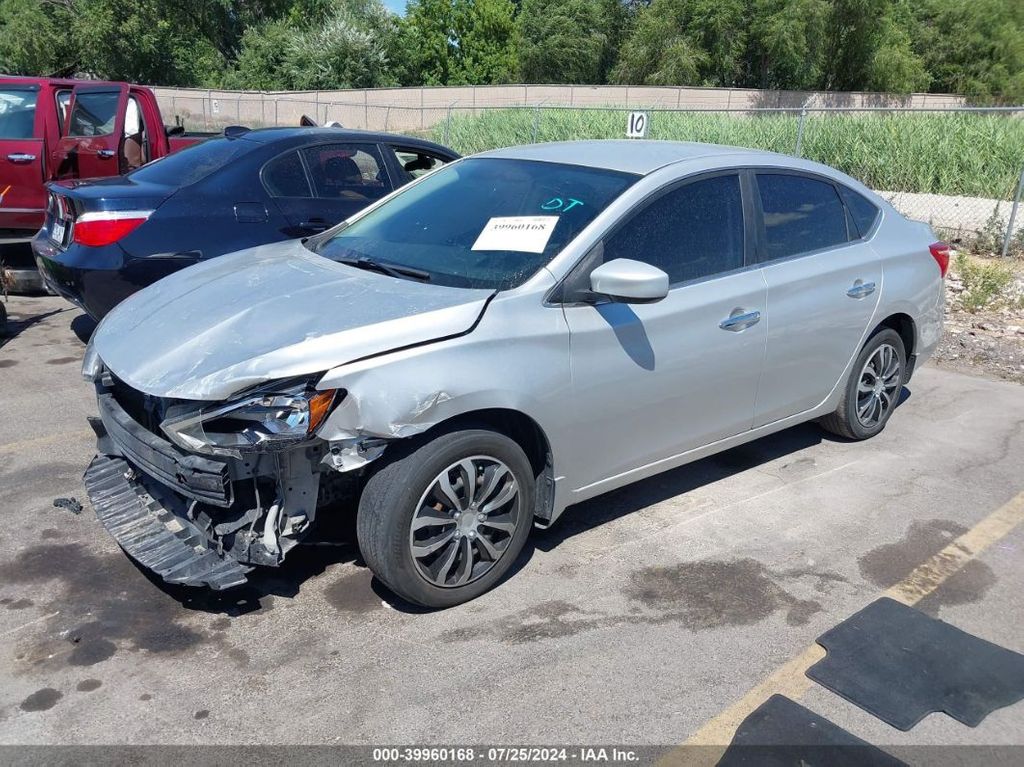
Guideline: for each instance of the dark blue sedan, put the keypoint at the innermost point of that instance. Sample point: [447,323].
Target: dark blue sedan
[104,239]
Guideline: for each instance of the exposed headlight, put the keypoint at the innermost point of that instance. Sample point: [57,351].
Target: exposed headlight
[92,365]
[271,418]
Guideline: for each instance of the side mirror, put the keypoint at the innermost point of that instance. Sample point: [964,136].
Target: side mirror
[629,282]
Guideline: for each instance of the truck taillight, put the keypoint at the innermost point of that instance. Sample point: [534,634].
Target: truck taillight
[940,252]
[96,229]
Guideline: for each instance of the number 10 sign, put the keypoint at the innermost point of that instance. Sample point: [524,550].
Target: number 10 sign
[636,125]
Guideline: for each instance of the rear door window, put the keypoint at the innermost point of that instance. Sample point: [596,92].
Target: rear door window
[861,209]
[285,176]
[94,113]
[801,215]
[691,232]
[17,112]
[352,172]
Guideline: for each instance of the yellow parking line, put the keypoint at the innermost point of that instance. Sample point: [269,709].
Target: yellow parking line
[790,679]
[14,447]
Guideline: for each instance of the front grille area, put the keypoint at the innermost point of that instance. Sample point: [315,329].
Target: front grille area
[201,478]
[145,409]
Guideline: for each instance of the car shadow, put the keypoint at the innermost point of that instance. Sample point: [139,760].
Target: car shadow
[19,323]
[83,326]
[335,540]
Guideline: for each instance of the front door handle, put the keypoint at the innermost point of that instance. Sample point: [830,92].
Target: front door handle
[861,289]
[315,225]
[21,158]
[740,320]
[106,154]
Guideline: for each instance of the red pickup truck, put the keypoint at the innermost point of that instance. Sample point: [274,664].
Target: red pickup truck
[54,129]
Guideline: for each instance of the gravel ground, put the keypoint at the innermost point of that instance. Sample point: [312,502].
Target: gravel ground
[989,342]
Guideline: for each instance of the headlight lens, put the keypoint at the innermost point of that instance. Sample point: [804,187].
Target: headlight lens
[272,418]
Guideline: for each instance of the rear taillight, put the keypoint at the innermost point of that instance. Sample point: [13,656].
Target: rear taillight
[940,252]
[99,228]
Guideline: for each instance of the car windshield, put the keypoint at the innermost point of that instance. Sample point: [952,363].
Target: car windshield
[481,223]
[193,163]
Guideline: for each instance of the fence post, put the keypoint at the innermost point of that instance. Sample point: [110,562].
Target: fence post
[1013,214]
[800,130]
[536,119]
[447,120]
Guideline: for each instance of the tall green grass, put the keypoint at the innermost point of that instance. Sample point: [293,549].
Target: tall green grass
[964,154]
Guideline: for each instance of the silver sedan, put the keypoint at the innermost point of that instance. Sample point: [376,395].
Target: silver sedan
[505,337]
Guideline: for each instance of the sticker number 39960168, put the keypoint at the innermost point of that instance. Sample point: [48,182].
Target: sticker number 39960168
[526,234]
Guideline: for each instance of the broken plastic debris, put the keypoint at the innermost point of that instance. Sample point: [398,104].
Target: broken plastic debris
[71,504]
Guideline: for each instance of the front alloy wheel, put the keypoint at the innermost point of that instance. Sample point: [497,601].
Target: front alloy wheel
[442,520]
[465,521]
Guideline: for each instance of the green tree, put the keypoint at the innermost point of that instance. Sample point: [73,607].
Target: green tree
[786,43]
[561,41]
[33,37]
[340,44]
[974,48]
[686,42]
[457,42]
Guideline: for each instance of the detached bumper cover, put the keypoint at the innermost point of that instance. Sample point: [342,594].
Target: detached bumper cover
[155,537]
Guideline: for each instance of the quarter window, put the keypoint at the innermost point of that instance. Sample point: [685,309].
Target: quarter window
[416,162]
[801,214]
[347,172]
[861,209]
[691,232]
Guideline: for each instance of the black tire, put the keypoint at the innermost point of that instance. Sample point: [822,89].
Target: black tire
[392,494]
[845,421]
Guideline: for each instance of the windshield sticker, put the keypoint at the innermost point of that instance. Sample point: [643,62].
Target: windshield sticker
[525,234]
[557,203]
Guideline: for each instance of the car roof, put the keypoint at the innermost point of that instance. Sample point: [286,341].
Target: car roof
[626,155]
[271,135]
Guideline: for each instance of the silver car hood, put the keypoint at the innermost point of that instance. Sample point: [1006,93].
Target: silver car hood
[268,313]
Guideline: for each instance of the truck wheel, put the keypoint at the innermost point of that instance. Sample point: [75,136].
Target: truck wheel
[441,522]
[873,388]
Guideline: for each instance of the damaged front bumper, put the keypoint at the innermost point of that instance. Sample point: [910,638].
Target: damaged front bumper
[195,519]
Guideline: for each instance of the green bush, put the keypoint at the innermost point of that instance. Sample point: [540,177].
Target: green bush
[986,283]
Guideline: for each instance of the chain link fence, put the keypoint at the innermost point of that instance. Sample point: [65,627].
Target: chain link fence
[961,169]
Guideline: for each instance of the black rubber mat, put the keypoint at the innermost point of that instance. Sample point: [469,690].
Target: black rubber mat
[899,664]
[782,733]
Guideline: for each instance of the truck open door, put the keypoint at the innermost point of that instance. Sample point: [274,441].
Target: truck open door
[22,196]
[90,143]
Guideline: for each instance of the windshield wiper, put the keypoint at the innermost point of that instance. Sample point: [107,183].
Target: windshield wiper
[385,267]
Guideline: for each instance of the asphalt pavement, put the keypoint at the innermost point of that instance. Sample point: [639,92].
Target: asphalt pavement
[644,616]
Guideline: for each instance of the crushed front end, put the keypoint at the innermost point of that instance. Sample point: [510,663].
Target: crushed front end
[202,492]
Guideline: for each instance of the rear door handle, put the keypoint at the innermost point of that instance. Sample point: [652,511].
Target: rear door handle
[740,320]
[861,289]
[106,154]
[20,157]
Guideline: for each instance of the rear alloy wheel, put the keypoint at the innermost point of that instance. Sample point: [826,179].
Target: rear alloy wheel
[873,389]
[440,522]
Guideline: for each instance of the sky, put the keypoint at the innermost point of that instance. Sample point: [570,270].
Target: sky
[398,6]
